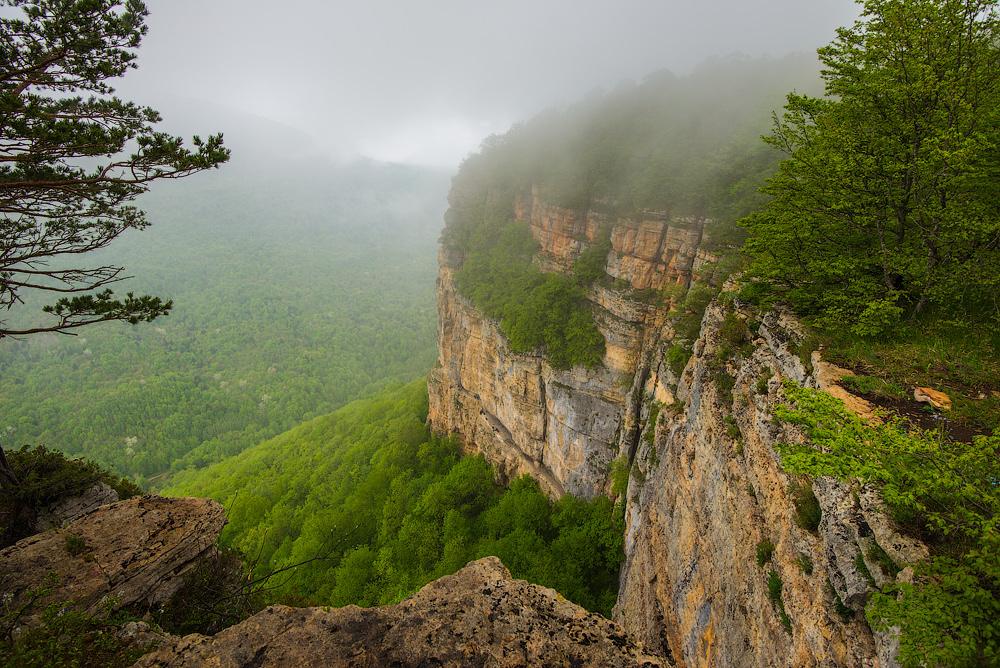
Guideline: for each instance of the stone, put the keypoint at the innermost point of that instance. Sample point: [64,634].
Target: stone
[67,510]
[133,552]
[936,398]
[479,616]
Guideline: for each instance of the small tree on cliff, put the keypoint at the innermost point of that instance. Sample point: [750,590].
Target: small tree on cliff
[888,202]
[73,157]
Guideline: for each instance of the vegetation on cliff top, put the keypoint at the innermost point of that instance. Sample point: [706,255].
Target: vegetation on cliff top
[888,204]
[944,492]
[384,508]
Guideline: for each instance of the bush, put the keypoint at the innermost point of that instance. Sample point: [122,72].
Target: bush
[807,509]
[536,311]
[765,549]
[677,357]
[68,638]
[46,477]
[946,493]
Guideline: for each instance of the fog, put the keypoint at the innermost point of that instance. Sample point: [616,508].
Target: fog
[423,82]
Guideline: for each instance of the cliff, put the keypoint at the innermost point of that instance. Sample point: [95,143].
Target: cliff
[720,570]
[563,427]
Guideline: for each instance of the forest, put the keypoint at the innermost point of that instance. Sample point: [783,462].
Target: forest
[375,507]
[296,289]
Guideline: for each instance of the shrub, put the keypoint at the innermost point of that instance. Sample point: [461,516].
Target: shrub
[47,476]
[765,549]
[774,587]
[677,357]
[75,545]
[619,476]
[944,491]
[807,509]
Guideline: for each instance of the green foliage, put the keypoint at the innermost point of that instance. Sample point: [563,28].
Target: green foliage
[807,509]
[876,554]
[732,428]
[765,549]
[589,266]
[536,310]
[845,612]
[763,381]
[75,545]
[677,357]
[386,508]
[964,362]
[945,491]
[68,638]
[312,286]
[46,477]
[75,158]
[215,595]
[654,414]
[873,386]
[774,588]
[862,568]
[619,476]
[887,202]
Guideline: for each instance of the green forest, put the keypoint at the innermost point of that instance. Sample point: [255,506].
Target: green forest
[296,289]
[376,508]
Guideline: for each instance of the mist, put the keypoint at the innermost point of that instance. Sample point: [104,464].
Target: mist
[425,82]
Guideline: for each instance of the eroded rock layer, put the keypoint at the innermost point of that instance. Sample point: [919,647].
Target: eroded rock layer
[479,616]
[130,552]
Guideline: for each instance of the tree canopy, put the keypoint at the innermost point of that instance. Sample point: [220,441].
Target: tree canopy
[73,157]
[888,203]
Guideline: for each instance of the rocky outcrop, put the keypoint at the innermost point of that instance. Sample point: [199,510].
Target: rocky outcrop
[564,427]
[133,552]
[479,616]
[708,489]
[65,511]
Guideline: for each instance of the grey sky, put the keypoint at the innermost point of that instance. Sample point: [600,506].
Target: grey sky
[424,80]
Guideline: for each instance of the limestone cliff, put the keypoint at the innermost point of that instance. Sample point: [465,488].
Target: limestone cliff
[564,427]
[707,489]
[706,486]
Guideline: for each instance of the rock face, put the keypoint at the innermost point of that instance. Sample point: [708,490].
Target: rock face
[708,489]
[479,616]
[706,485]
[131,552]
[564,427]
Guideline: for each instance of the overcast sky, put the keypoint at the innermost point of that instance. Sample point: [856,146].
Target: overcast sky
[424,81]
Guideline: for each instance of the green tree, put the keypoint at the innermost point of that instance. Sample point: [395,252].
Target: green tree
[888,201]
[70,165]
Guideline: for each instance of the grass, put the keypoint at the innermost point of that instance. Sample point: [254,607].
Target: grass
[962,362]
[774,587]
[874,387]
